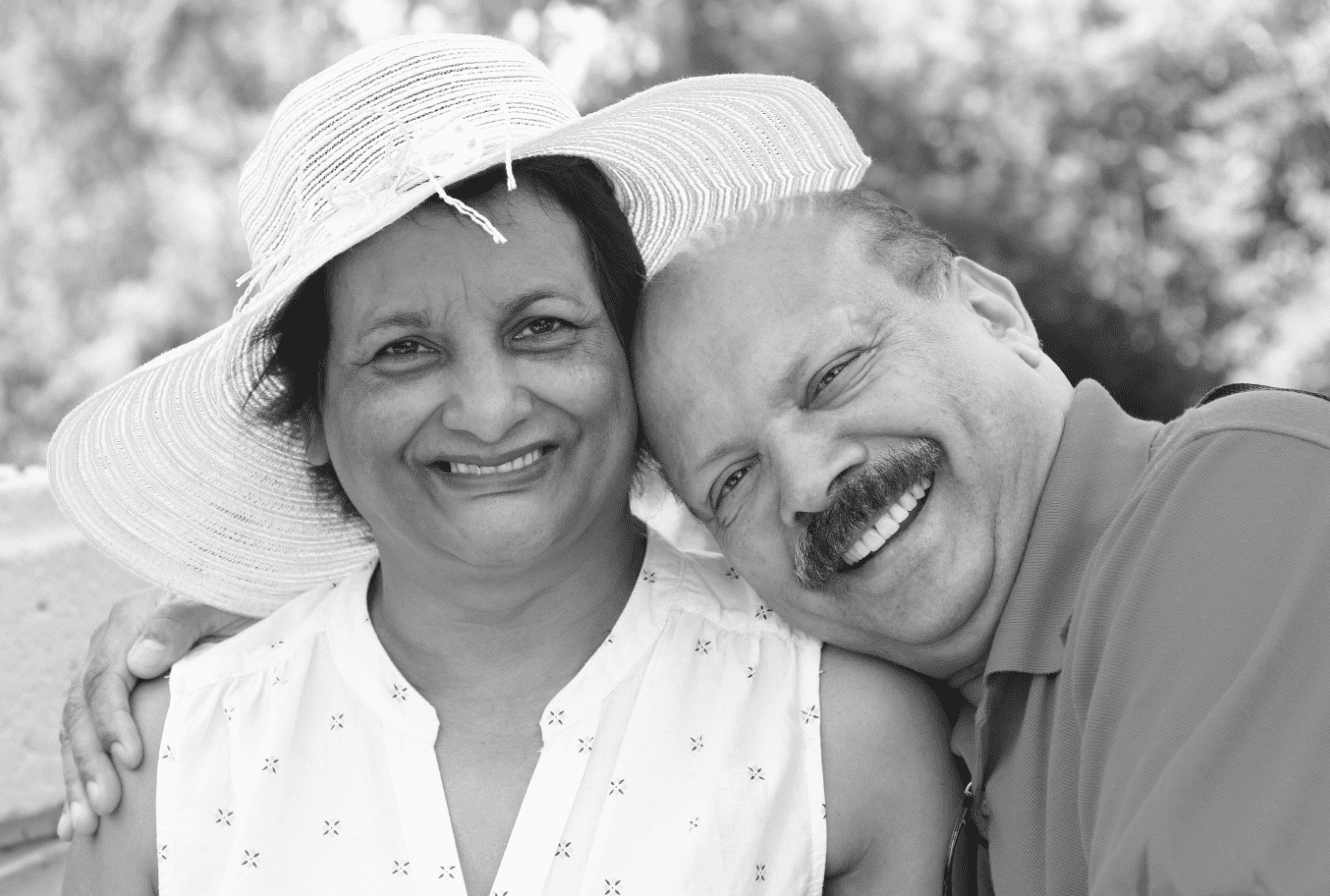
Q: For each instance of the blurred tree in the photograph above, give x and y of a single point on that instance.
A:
(1154, 177)
(125, 122)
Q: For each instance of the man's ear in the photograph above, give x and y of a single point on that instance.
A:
(992, 296)
(996, 301)
(316, 444)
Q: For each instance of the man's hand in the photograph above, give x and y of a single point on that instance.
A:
(141, 638)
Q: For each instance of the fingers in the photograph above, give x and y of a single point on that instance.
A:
(173, 628)
(92, 785)
(76, 816)
(107, 682)
(141, 638)
(100, 784)
(106, 691)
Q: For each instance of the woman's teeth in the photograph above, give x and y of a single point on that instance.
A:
(518, 463)
(888, 524)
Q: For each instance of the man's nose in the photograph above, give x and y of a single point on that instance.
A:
(808, 462)
(488, 399)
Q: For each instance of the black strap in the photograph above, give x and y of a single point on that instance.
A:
(1235, 388)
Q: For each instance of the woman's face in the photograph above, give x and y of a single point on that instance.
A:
(476, 400)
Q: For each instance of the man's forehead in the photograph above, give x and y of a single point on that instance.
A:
(754, 266)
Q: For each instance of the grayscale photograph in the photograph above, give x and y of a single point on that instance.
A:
(665, 447)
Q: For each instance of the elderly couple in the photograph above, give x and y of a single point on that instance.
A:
(412, 450)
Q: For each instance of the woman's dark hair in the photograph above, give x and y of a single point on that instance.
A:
(287, 391)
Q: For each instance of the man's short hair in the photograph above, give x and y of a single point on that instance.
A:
(915, 255)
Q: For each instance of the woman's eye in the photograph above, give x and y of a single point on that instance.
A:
(402, 348)
(541, 326)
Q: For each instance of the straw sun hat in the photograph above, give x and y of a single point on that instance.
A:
(168, 472)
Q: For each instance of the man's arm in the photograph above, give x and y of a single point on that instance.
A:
(891, 787)
(140, 639)
(1202, 676)
(121, 858)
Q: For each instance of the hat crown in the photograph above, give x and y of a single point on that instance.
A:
(348, 142)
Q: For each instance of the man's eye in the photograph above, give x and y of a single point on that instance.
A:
(542, 326)
(827, 377)
(730, 483)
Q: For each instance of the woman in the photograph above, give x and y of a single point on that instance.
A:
(493, 678)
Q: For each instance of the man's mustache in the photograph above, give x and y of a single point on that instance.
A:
(857, 503)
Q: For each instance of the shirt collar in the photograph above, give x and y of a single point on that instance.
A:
(1101, 456)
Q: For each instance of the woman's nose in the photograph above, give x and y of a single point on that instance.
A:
(808, 463)
(488, 400)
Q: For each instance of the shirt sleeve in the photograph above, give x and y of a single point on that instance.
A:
(1201, 675)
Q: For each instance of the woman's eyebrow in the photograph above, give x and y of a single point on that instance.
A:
(398, 320)
(422, 320)
(520, 302)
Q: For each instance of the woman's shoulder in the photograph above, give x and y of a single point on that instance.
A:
(271, 640)
(121, 857)
(891, 787)
(704, 582)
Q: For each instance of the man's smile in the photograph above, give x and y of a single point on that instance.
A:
(866, 511)
(895, 520)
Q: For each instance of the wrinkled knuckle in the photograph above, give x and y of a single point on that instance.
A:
(93, 676)
(73, 712)
(83, 761)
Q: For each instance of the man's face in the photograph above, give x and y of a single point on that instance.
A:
(868, 458)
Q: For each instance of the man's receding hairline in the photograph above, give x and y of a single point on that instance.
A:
(917, 257)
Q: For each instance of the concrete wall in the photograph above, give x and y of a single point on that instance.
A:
(54, 590)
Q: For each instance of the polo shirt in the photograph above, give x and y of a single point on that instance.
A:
(1155, 708)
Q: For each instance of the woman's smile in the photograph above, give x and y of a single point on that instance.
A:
(483, 467)
(497, 477)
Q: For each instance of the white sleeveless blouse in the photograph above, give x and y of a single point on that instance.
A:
(683, 758)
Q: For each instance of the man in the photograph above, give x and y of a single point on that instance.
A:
(1135, 613)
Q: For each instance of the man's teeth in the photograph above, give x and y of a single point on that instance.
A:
(888, 524)
(518, 463)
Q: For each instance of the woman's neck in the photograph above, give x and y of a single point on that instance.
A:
(506, 640)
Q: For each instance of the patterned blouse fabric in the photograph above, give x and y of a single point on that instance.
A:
(684, 757)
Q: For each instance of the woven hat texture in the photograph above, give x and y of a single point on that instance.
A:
(169, 472)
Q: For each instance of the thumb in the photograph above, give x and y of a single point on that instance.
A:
(173, 628)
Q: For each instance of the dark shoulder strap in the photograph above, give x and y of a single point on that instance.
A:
(1235, 388)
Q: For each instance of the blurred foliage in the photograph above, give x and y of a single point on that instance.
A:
(1154, 177)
